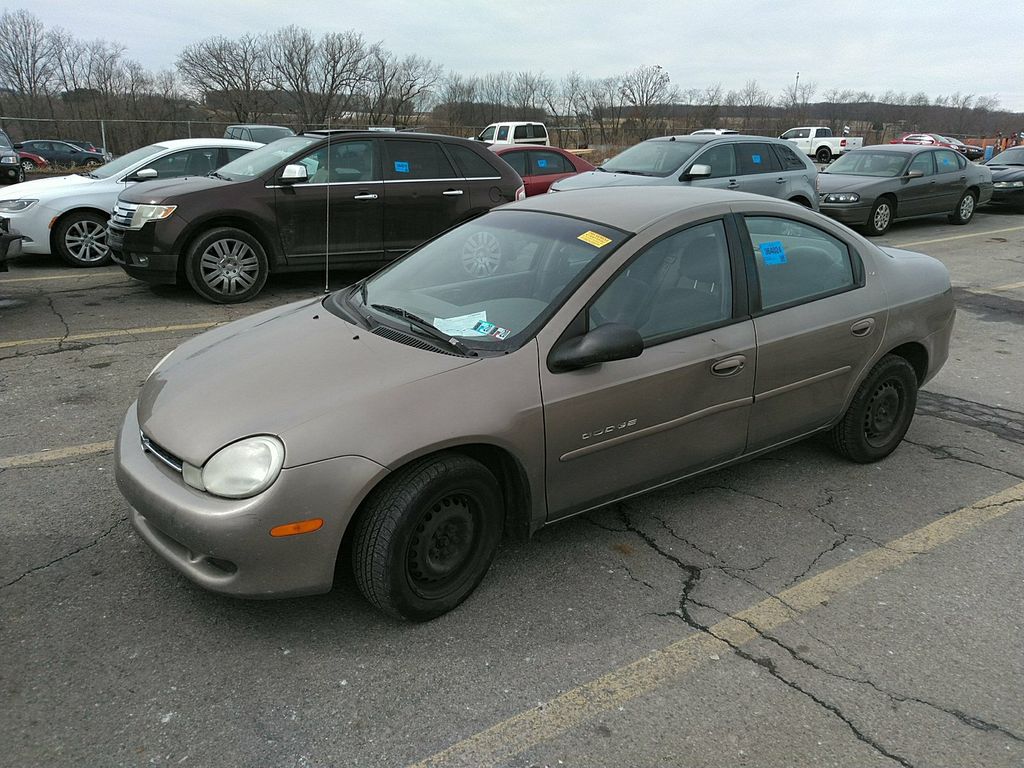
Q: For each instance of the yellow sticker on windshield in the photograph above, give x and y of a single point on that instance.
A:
(594, 239)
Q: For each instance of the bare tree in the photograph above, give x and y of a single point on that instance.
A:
(397, 88)
(603, 100)
(235, 70)
(26, 58)
(753, 102)
(648, 89)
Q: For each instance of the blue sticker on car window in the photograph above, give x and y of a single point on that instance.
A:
(945, 161)
(772, 252)
(542, 163)
(401, 167)
(756, 159)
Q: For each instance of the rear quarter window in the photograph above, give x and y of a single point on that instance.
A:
(470, 164)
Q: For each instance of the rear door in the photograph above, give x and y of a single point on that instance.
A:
(759, 169)
(544, 169)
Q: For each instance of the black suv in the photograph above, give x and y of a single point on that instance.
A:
(361, 198)
(11, 171)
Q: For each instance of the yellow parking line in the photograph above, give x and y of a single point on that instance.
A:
(1009, 286)
(571, 709)
(956, 237)
(108, 334)
(63, 277)
(57, 454)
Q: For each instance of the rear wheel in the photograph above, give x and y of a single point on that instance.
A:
(427, 536)
(964, 210)
(823, 155)
(226, 265)
(880, 218)
(81, 239)
(880, 413)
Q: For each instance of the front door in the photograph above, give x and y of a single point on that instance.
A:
(682, 405)
(917, 195)
(952, 178)
(821, 318)
(722, 160)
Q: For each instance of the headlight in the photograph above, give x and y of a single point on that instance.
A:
(842, 197)
(1008, 184)
(239, 470)
(146, 213)
(10, 160)
(16, 206)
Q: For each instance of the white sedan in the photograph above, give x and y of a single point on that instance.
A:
(67, 215)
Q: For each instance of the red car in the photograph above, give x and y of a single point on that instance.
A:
(541, 167)
(926, 139)
(31, 162)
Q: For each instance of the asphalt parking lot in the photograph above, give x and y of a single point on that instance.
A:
(794, 610)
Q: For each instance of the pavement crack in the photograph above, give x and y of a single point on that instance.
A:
(65, 556)
(945, 452)
(63, 322)
(740, 492)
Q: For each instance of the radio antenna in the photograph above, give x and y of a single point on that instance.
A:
(327, 214)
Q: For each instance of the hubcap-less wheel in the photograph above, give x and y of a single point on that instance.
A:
(28, 166)
(966, 207)
(882, 218)
(481, 254)
(86, 241)
(229, 267)
(442, 545)
(882, 414)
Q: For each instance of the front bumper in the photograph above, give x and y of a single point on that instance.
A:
(1014, 195)
(851, 214)
(34, 224)
(10, 174)
(136, 252)
(224, 545)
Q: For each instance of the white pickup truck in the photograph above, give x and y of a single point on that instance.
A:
(818, 142)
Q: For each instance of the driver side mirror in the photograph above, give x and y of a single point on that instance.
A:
(915, 174)
(698, 171)
(608, 342)
(294, 174)
(144, 174)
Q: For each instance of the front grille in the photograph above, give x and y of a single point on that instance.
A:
(410, 341)
(159, 453)
(123, 213)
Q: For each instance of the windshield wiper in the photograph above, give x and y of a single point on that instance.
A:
(423, 325)
(216, 175)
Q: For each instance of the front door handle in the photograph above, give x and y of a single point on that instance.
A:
(863, 327)
(452, 192)
(729, 366)
(365, 196)
(733, 183)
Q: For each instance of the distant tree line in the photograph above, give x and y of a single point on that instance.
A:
(52, 80)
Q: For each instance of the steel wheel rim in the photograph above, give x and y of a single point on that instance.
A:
(481, 254)
(966, 207)
(27, 165)
(883, 414)
(229, 267)
(442, 545)
(86, 241)
(882, 217)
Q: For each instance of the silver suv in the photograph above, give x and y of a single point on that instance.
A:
(757, 164)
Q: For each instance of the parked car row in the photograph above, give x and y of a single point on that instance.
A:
(970, 151)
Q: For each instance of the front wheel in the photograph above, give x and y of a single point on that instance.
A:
(226, 265)
(27, 165)
(880, 218)
(81, 239)
(823, 155)
(427, 536)
(880, 413)
(964, 211)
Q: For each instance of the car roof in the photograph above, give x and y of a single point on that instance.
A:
(256, 125)
(629, 208)
(191, 143)
(905, 149)
(706, 138)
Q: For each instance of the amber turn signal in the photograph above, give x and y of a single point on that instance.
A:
(293, 529)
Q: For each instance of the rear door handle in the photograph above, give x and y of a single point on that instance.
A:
(780, 180)
(733, 183)
(365, 196)
(863, 327)
(452, 192)
(729, 366)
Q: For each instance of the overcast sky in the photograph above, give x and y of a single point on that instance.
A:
(938, 47)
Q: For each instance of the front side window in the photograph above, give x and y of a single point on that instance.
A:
(755, 157)
(190, 162)
(349, 161)
(680, 284)
(722, 160)
(923, 163)
(946, 161)
(488, 134)
(797, 262)
(415, 160)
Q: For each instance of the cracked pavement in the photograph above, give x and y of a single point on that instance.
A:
(109, 658)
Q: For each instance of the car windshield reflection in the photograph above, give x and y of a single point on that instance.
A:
(866, 163)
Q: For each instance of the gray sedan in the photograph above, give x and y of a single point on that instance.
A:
(627, 339)
(872, 187)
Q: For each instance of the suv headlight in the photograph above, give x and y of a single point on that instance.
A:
(10, 160)
(239, 470)
(842, 197)
(146, 213)
(16, 206)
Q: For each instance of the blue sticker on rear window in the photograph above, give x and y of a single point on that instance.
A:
(772, 252)
(756, 159)
(945, 161)
(401, 167)
(542, 163)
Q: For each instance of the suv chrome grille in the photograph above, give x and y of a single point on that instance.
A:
(123, 213)
(159, 453)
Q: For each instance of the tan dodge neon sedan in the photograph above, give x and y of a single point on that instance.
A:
(549, 357)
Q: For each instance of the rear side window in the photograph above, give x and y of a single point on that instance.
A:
(756, 158)
(470, 164)
(945, 161)
(796, 262)
(543, 162)
(539, 131)
(790, 160)
(503, 133)
(415, 160)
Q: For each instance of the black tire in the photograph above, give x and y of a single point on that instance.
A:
(226, 265)
(965, 208)
(880, 218)
(427, 536)
(880, 413)
(27, 165)
(92, 163)
(823, 155)
(80, 239)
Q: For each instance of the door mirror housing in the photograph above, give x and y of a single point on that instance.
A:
(294, 174)
(144, 174)
(915, 174)
(698, 171)
(608, 342)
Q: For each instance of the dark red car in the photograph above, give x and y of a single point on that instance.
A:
(925, 139)
(31, 162)
(540, 167)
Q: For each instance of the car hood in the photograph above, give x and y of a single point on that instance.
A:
(40, 188)
(591, 179)
(272, 373)
(840, 182)
(157, 191)
(1007, 172)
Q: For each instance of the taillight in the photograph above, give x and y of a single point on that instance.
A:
(842, 142)
(521, 193)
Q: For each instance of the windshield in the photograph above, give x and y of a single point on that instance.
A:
(653, 158)
(1013, 156)
(868, 163)
(5, 143)
(124, 162)
(492, 280)
(261, 160)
